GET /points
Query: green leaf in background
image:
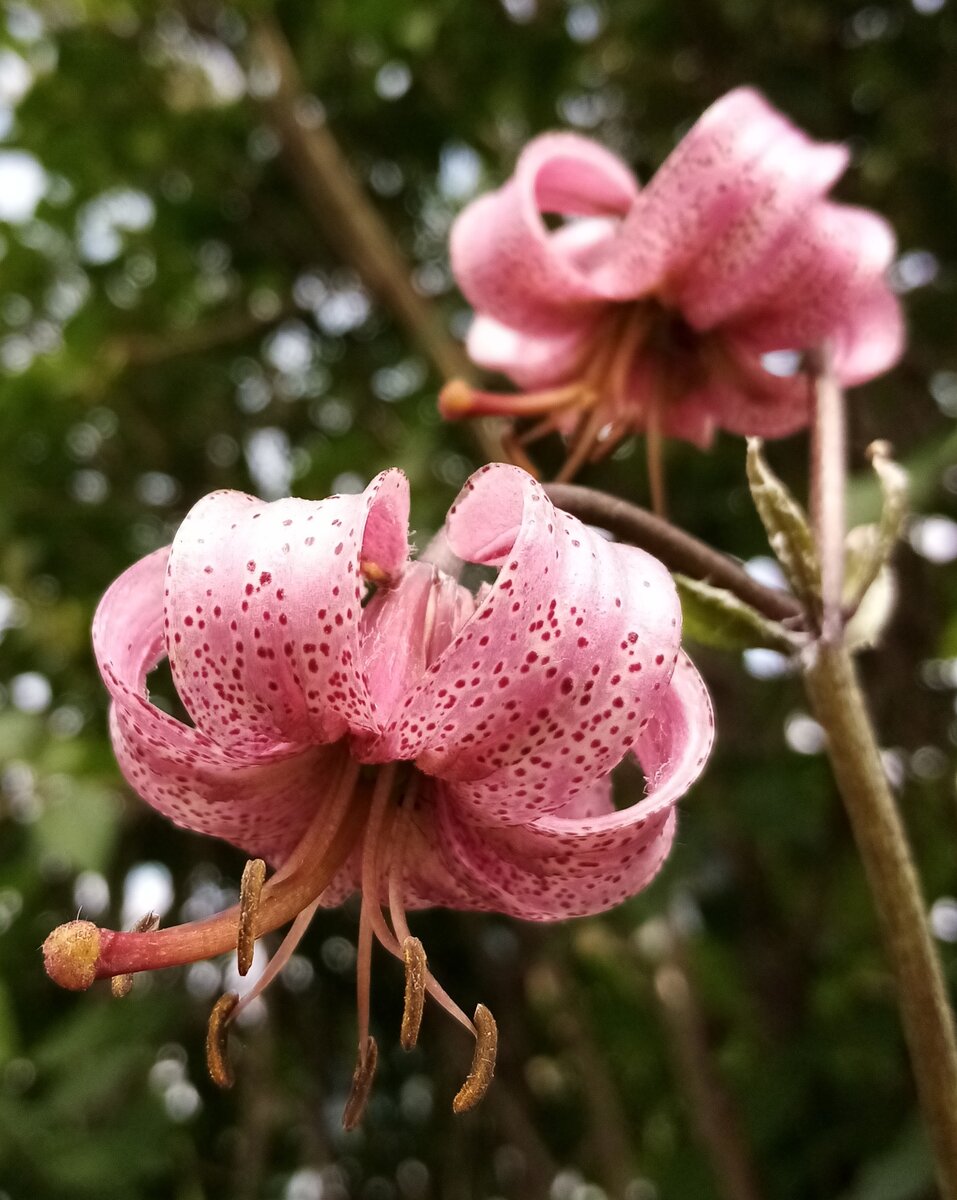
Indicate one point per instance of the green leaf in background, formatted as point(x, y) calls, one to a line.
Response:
point(713, 616)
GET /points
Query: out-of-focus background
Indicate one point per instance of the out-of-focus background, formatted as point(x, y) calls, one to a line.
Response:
point(195, 294)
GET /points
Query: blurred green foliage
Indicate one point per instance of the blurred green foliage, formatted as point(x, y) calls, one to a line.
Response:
point(172, 321)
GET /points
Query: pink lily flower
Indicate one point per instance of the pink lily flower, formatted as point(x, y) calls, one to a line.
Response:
point(651, 310)
point(364, 722)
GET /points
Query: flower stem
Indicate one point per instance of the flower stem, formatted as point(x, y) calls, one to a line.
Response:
point(828, 485)
point(836, 697)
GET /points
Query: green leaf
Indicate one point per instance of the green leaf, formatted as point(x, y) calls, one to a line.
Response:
point(874, 544)
point(716, 617)
point(787, 527)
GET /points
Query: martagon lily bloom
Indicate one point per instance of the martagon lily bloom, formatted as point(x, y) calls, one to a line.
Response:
point(363, 721)
point(652, 310)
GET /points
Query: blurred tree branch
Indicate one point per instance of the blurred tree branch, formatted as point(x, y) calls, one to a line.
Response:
point(712, 1108)
point(336, 200)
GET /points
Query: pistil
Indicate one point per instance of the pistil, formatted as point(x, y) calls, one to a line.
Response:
point(77, 953)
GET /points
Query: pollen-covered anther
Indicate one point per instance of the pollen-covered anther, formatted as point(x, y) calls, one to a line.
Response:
point(483, 1062)
point(122, 985)
point(70, 955)
point(416, 977)
point(361, 1088)
point(217, 1035)
point(250, 892)
point(373, 572)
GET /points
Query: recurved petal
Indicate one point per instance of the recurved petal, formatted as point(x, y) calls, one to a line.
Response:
point(792, 174)
point(564, 866)
point(742, 397)
point(872, 336)
point(508, 264)
point(531, 362)
point(260, 803)
point(719, 188)
point(559, 670)
point(829, 286)
point(263, 607)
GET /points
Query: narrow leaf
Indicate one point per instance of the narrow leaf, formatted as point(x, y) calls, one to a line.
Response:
point(715, 617)
point(787, 527)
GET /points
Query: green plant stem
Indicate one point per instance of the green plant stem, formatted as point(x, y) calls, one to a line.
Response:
point(838, 703)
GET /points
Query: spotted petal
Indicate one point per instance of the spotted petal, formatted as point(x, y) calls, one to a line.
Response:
point(562, 866)
point(260, 802)
point(507, 262)
point(263, 607)
point(830, 286)
point(549, 684)
point(717, 202)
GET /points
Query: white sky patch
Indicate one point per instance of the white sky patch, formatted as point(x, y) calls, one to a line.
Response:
point(224, 74)
point(766, 570)
point(943, 919)
point(943, 387)
point(803, 734)
point(766, 664)
point(147, 888)
point(460, 171)
point(393, 80)
point(914, 269)
point(16, 78)
point(31, 692)
point(290, 348)
point(934, 538)
point(91, 894)
point(782, 363)
point(103, 221)
point(269, 459)
point(23, 183)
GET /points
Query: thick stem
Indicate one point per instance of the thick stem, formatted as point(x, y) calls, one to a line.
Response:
point(836, 697)
point(828, 478)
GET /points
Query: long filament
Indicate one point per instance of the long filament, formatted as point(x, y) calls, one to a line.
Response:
point(305, 874)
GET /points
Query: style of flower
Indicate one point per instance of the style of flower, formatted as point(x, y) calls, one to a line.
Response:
point(652, 310)
point(362, 721)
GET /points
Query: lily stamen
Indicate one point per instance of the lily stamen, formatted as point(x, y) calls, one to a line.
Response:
point(217, 1035)
point(416, 973)
point(250, 894)
point(483, 1062)
point(361, 1084)
point(282, 956)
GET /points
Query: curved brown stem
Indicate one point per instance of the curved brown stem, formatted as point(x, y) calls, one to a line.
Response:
point(679, 551)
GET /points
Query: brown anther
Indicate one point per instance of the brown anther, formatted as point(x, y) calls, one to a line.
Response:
point(373, 572)
point(122, 985)
point(250, 890)
point(361, 1084)
point(455, 399)
point(483, 1062)
point(217, 1037)
point(416, 973)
